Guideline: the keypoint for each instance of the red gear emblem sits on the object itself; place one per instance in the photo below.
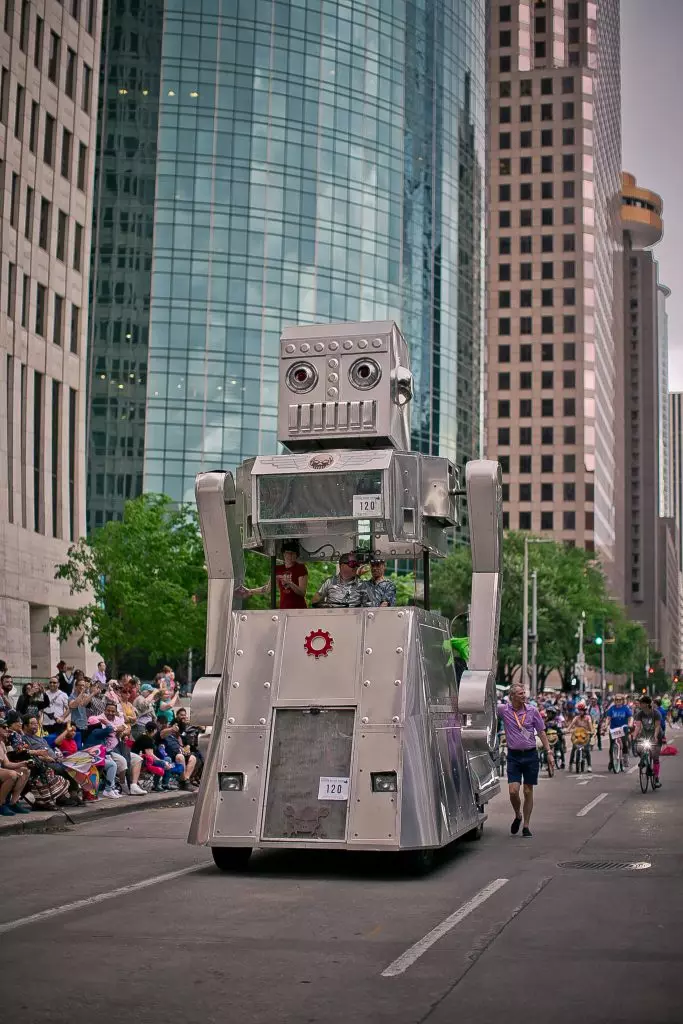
(318, 643)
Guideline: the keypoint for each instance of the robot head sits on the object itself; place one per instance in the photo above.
(344, 385)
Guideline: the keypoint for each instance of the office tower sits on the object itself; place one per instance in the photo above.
(48, 99)
(554, 320)
(652, 553)
(317, 162)
(123, 231)
(676, 452)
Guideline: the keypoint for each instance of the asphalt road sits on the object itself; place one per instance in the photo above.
(311, 938)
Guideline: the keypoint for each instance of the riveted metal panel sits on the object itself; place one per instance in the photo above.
(303, 677)
(243, 750)
(384, 664)
(252, 666)
(374, 817)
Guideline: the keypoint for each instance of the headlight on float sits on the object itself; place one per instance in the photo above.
(384, 782)
(230, 782)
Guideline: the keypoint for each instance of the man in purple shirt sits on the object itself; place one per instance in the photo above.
(522, 724)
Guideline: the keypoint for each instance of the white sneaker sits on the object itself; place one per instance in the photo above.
(111, 794)
(136, 790)
(589, 770)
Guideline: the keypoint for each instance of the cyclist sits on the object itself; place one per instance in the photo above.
(648, 726)
(658, 705)
(553, 730)
(581, 734)
(618, 715)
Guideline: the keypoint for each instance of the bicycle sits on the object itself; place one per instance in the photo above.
(616, 752)
(580, 759)
(645, 770)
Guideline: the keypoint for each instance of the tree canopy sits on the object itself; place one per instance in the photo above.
(570, 583)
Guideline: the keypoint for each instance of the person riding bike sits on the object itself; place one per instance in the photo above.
(553, 730)
(581, 734)
(648, 726)
(618, 716)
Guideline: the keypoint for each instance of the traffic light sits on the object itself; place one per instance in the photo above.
(652, 671)
(598, 641)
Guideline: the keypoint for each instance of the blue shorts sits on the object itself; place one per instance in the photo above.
(523, 766)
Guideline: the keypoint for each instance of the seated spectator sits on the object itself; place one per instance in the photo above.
(166, 702)
(128, 764)
(8, 693)
(172, 743)
(144, 708)
(32, 700)
(78, 763)
(98, 701)
(189, 737)
(78, 707)
(56, 714)
(47, 783)
(14, 777)
(160, 768)
(95, 740)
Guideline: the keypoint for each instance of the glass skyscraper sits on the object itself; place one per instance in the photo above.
(318, 160)
(122, 253)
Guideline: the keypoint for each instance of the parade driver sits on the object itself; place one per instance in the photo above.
(344, 589)
(522, 724)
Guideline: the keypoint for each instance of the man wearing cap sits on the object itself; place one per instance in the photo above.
(344, 589)
(381, 593)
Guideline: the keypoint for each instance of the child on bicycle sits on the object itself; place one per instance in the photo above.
(647, 725)
(581, 734)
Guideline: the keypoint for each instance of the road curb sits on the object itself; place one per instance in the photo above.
(71, 817)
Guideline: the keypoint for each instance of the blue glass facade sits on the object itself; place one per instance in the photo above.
(318, 160)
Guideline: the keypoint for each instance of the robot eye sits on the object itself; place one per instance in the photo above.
(364, 374)
(302, 377)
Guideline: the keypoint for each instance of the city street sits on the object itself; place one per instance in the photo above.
(557, 926)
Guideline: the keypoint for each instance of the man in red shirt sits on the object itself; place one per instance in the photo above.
(291, 579)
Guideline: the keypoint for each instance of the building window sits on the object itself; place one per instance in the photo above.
(504, 300)
(547, 463)
(82, 166)
(53, 59)
(62, 229)
(547, 380)
(547, 271)
(503, 435)
(49, 140)
(569, 269)
(546, 243)
(525, 165)
(505, 89)
(547, 325)
(540, 27)
(569, 379)
(504, 167)
(546, 520)
(525, 408)
(568, 162)
(505, 115)
(504, 193)
(547, 435)
(573, 13)
(503, 381)
(525, 87)
(4, 94)
(504, 140)
(569, 351)
(569, 243)
(568, 519)
(78, 246)
(87, 88)
(525, 353)
(525, 140)
(525, 492)
(526, 271)
(569, 407)
(24, 26)
(568, 189)
(38, 43)
(547, 407)
(546, 190)
(547, 217)
(525, 244)
(526, 327)
(546, 492)
(506, 12)
(504, 463)
(41, 309)
(568, 85)
(505, 39)
(44, 224)
(504, 272)
(33, 127)
(569, 299)
(525, 520)
(58, 331)
(569, 491)
(567, 111)
(568, 215)
(19, 112)
(25, 300)
(75, 328)
(525, 436)
(14, 201)
(546, 111)
(526, 191)
(504, 409)
(38, 397)
(590, 492)
(547, 137)
(525, 113)
(526, 297)
(539, 50)
(546, 165)
(11, 289)
(525, 463)
(504, 65)
(28, 214)
(504, 246)
(570, 435)
(525, 218)
(547, 352)
(67, 141)
(503, 353)
(568, 137)
(525, 381)
(569, 463)
(546, 297)
(70, 79)
(503, 326)
(504, 219)
(505, 492)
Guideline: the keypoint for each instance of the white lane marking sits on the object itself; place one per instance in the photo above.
(591, 805)
(630, 771)
(100, 897)
(411, 955)
(584, 783)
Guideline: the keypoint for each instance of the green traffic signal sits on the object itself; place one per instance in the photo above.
(598, 641)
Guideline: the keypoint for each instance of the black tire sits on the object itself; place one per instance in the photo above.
(642, 775)
(653, 780)
(231, 858)
(417, 862)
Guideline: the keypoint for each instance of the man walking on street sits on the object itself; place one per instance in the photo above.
(522, 724)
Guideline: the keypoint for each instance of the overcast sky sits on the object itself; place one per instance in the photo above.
(651, 77)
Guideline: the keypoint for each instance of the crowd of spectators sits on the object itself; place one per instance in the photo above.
(78, 739)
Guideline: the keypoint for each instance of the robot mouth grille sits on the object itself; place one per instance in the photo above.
(333, 417)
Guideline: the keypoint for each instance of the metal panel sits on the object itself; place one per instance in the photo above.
(307, 744)
(373, 817)
(305, 678)
(243, 750)
(252, 666)
(383, 670)
(420, 803)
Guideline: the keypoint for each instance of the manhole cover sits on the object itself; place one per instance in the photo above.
(607, 865)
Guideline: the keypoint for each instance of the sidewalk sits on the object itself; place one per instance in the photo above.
(68, 817)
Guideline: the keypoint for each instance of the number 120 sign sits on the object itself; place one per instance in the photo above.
(367, 506)
(333, 788)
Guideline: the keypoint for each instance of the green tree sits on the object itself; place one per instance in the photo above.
(257, 574)
(144, 580)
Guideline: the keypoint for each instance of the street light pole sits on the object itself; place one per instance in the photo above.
(603, 680)
(525, 617)
(534, 633)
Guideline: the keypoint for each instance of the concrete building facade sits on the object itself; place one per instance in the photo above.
(49, 54)
(651, 544)
(554, 317)
(676, 453)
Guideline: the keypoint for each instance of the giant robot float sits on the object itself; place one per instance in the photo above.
(345, 728)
